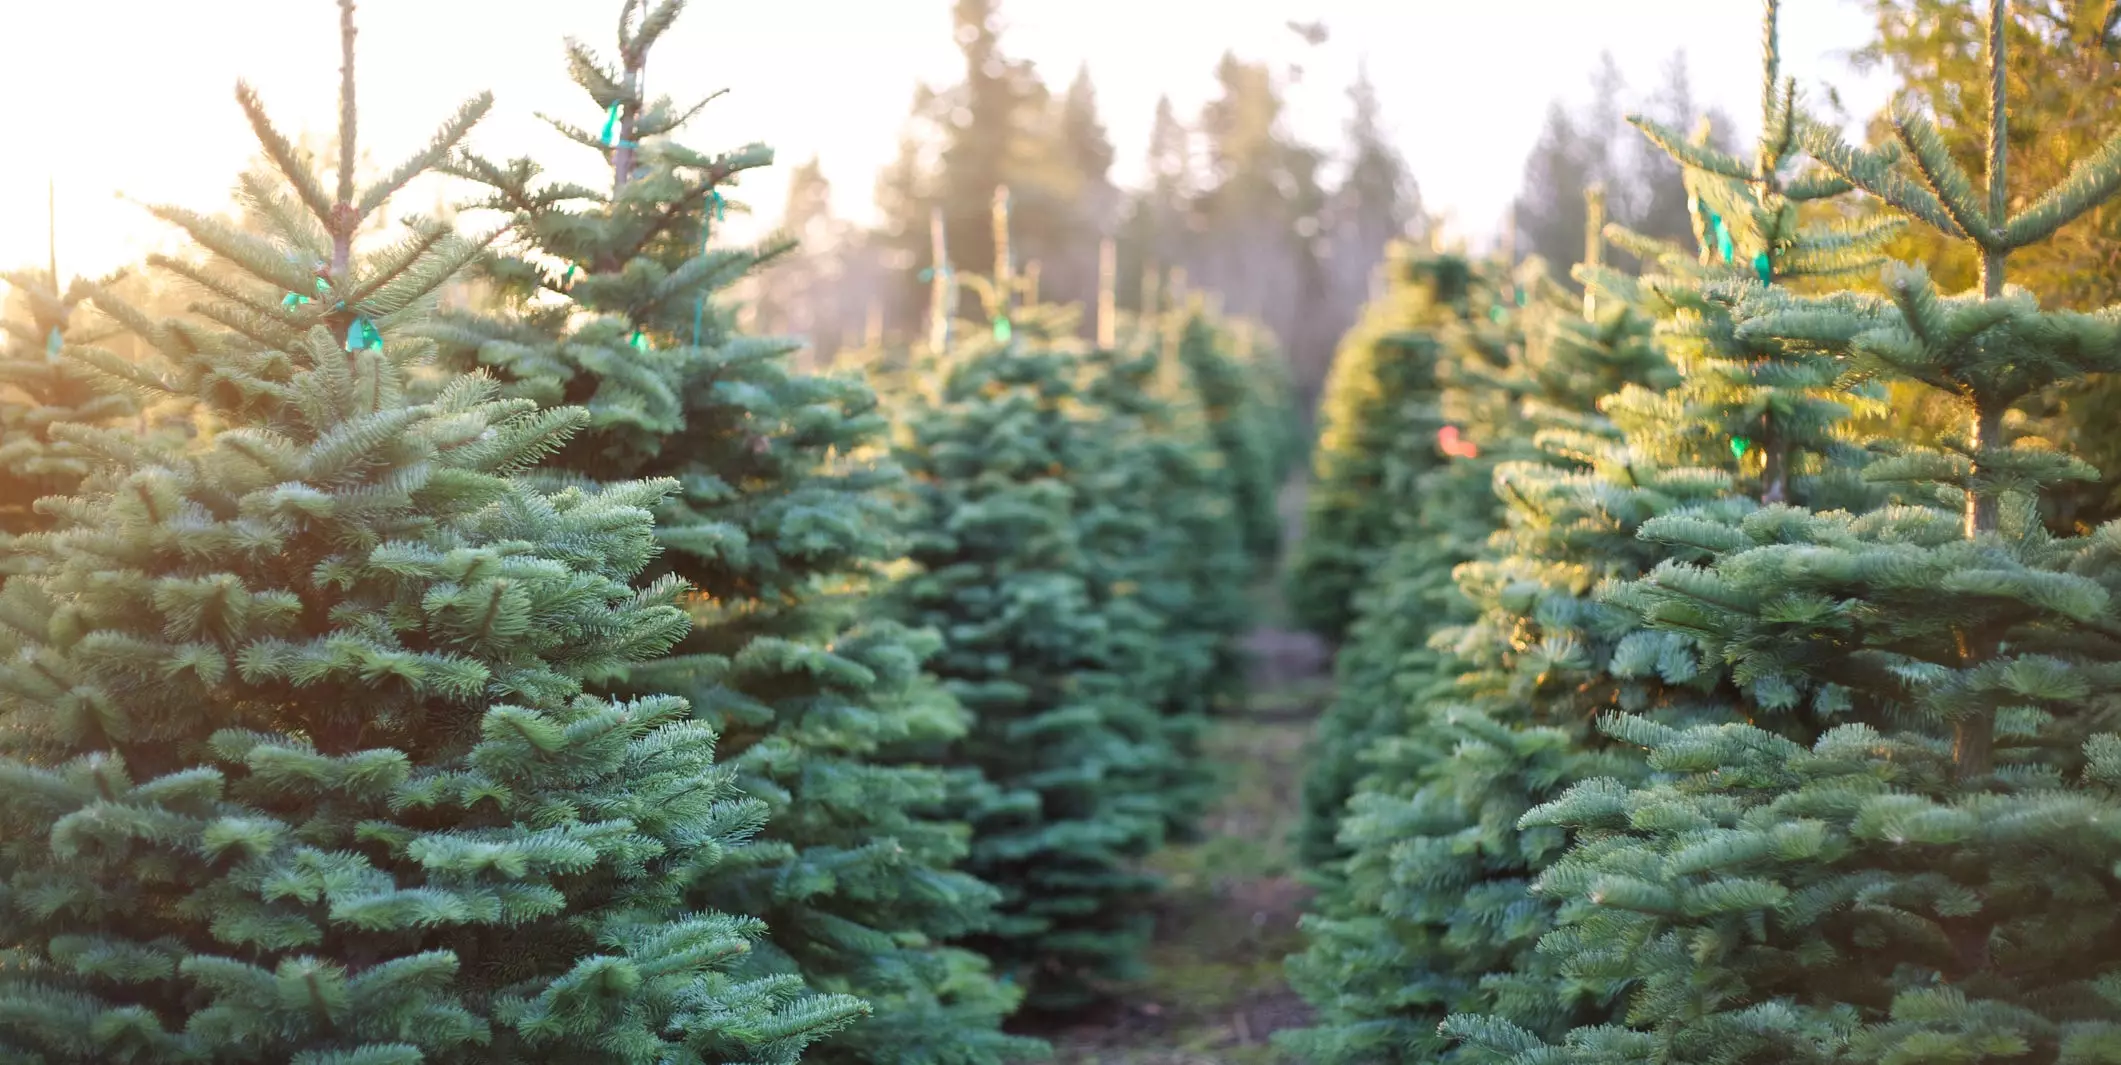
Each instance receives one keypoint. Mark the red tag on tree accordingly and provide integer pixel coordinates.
(1450, 443)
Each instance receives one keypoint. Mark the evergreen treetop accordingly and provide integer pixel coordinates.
(2060, 63)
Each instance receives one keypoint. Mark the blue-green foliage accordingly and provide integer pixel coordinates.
(1377, 434)
(1898, 845)
(1440, 509)
(1080, 548)
(46, 389)
(297, 763)
(1242, 389)
(1014, 566)
(1868, 891)
(781, 520)
(1427, 912)
(1168, 537)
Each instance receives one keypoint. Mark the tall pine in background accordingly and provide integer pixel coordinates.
(298, 764)
(612, 299)
(1903, 849)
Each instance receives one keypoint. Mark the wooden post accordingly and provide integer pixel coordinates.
(1004, 271)
(942, 291)
(1593, 240)
(1107, 294)
(51, 227)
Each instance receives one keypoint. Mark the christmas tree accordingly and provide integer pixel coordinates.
(1459, 738)
(2061, 68)
(1241, 384)
(1201, 434)
(1020, 558)
(1900, 852)
(40, 389)
(614, 299)
(1165, 543)
(299, 766)
(1377, 435)
(1437, 843)
(1444, 511)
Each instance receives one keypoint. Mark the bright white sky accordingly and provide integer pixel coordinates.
(134, 96)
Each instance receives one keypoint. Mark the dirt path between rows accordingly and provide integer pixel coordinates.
(1215, 993)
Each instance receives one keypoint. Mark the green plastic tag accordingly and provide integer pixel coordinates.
(1002, 330)
(1764, 268)
(611, 122)
(52, 343)
(1738, 446)
(362, 336)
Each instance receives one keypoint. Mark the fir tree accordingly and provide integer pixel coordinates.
(1154, 235)
(1035, 555)
(1919, 866)
(1258, 213)
(1377, 434)
(2062, 66)
(44, 389)
(1437, 840)
(1425, 524)
(1375, 203)
(1167, 537)
(299, 763)
(1076, 755)
(1240, 384)
(1452, 744)
(781, 523)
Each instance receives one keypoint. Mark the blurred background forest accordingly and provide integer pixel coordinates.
(1270, 178)
(1284, 231)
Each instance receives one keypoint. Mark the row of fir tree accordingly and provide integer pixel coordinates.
(1729, 655)
(455, 647)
